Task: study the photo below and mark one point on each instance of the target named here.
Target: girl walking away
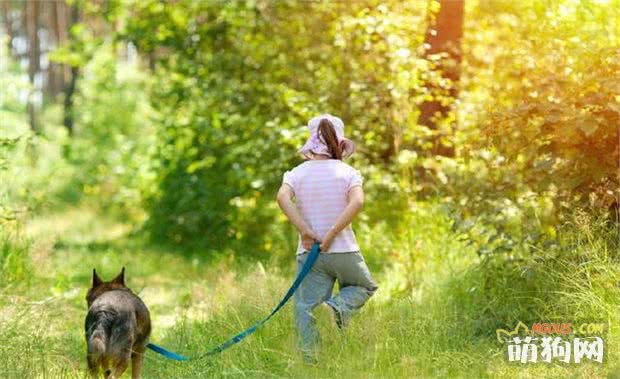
(328, 195)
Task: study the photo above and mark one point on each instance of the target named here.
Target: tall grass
(15, 264)
(439, 325)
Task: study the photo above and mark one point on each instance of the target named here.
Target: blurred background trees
(183, 115)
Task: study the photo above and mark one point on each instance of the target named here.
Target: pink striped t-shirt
(321, 187)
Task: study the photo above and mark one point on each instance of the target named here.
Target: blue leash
(312, 257)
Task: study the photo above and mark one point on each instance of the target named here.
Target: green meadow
(444, 328)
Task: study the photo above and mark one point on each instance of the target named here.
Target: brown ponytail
(328, 134)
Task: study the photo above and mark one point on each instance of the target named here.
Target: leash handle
(312, 257)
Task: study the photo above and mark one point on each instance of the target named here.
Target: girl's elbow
(359, 204)
(281, 199)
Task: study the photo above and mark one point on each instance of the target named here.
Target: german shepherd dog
(118, 325)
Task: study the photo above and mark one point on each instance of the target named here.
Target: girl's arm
(284, 197)
(355, 202)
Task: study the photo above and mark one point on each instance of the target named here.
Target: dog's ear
(96, 279)
(120, 279)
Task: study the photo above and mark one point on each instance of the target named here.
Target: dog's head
(99, 286)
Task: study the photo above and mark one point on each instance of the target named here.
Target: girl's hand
(308, 238)
(327, 241)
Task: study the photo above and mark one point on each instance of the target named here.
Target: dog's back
(117, 329)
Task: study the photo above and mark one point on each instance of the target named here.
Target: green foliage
(493, 205)
(15, 265)
(538, 118)
(555, 114)
(577, 281)
(565, 132)
(232, 89)
(114, 136)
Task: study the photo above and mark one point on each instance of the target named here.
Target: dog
(118, 325)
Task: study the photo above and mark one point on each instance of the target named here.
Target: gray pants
(355, 283)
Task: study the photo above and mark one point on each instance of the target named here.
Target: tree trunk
(69, 91)
(32, 17)
(55, 73)
(68, 118)
(63, 31)
(444, 34)
(7, 19)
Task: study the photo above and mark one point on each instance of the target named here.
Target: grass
(442, 327)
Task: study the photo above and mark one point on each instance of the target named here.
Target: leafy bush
(233, 91)
(538, 131)
(576, 282)
(228, 91)
(14, 247)
(113, 136)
